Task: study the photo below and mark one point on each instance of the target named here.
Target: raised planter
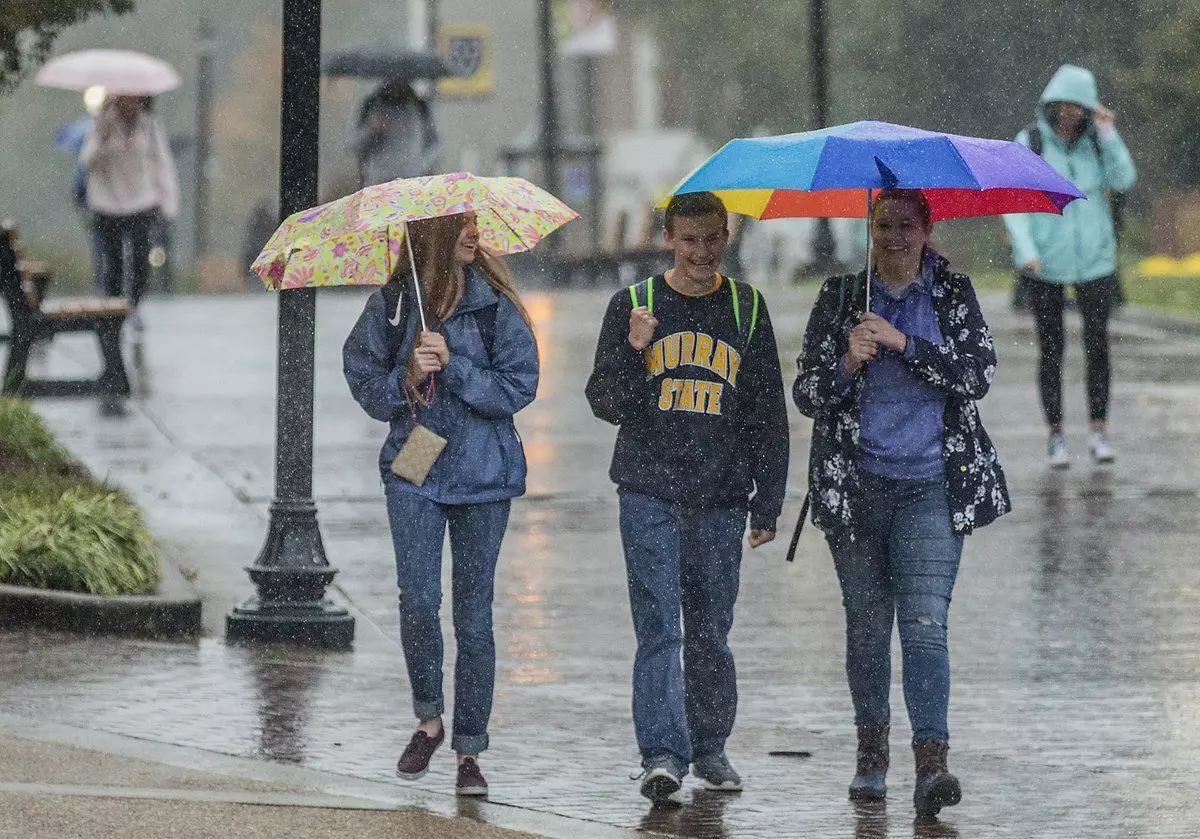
(172, 612)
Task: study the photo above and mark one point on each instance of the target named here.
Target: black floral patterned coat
(962, 367)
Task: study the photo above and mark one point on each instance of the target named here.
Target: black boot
(872, 766)
(936, 787)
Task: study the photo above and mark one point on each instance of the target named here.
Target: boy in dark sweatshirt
(687, 367)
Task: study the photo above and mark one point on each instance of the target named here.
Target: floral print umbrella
(359, 239)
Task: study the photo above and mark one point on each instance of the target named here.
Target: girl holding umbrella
(448, 355)
(901, 470)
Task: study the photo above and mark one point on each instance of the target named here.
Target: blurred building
(615, 158)
(617, 154)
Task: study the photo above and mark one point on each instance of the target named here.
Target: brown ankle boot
(872, 765)
(936, 787)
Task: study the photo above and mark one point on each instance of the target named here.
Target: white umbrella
(117, 71)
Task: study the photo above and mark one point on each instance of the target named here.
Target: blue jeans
(476, 530)
(682, 560)
(900, 567)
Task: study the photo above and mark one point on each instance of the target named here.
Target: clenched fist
(641, 328)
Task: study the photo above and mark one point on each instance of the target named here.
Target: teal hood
(1072, 84)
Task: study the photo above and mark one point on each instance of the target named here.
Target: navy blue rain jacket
(475, 396)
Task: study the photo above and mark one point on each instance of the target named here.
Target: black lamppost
(204, 63)
(824, 247)
(291, 572)
(548, 139)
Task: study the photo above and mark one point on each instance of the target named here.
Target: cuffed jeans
(900, 568)
(687, 561)
(476, 530)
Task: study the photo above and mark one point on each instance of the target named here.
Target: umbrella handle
(791, 551)
(416, 280)
(870, 242)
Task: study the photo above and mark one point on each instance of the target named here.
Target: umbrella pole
(416, 280)
(869, 243)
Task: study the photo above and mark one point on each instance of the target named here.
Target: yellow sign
(467, 48)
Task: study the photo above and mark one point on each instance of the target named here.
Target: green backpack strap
(734, 292)
(737, 308)
(633, 294)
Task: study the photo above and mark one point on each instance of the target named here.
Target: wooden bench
(34, 318)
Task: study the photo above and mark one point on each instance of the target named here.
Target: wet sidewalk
(1074, 632)
(56, 781)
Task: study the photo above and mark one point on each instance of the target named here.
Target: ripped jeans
(900, 569)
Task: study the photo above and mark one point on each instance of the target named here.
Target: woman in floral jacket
(900, 470)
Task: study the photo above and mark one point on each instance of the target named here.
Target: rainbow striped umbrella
(832, 172)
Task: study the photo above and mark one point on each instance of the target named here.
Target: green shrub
(59, 530)
(88, 539)
(26, 443)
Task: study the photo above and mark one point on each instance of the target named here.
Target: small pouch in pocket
(418, 454)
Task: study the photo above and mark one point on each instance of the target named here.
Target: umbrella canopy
(120, 72)
(829, 172)
(377, 62)
(359, 239)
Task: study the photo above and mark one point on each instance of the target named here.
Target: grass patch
(26, 444)
(59, 529)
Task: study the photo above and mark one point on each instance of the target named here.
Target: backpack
(736, 293)
(1116, 200)
(395, 300)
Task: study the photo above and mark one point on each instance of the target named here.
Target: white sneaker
(1056, 451)
(1098, 445)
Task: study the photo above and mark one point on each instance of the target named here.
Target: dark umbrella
(381, 62)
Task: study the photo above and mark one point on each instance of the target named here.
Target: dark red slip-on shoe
(470, 779)
(414, 763)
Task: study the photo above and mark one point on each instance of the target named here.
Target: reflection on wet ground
(1074, 632)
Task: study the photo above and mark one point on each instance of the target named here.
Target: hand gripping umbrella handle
(791, 553)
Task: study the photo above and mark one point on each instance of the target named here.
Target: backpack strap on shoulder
(753, 314)
(633, 293)
(485, 321)
(844, 304)
(735, 293)
(737, 307)
(1034, 131)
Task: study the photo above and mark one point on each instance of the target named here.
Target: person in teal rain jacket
(1076, 135)
(462, 379)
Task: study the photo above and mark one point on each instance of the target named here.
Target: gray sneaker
(717, 773)
(660, 783)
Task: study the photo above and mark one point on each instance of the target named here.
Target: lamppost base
(321, 624)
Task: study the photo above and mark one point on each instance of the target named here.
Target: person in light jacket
(1078, 136)
(131, 182)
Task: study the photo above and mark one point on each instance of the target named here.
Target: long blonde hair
(442, 287)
